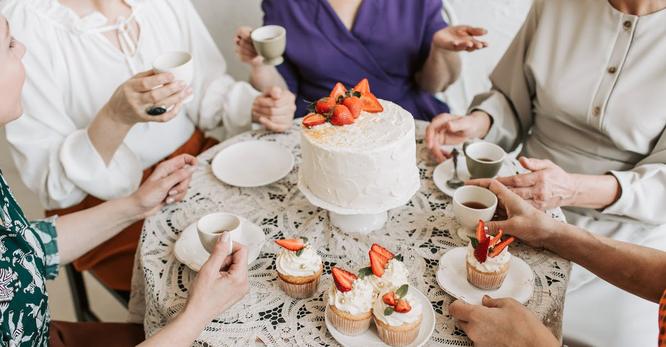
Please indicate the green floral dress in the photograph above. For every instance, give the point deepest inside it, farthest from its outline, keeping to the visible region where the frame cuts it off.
(28, 257)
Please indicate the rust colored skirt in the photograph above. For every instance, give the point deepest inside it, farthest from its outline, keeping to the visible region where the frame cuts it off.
(66, 334)
(112, 261)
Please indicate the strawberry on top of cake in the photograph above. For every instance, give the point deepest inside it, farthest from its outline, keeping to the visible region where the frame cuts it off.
(342, 106)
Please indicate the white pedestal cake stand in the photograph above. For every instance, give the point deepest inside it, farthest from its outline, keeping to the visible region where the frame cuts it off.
(353, 220)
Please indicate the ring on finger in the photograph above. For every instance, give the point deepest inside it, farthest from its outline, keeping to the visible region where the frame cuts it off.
(156, 110)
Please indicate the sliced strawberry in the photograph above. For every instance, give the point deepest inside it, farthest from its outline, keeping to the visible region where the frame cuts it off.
(291, 244)
(402, 306)
(481, 250)
(341, 116)
(338, 91)
(497, 238)
(354, 104)
(313, 119)
(389, 298)
(378, 263)
(383, 251)
(324, 105)
(502, 245)
(343, 279)
(363, 87)
(481, 231)
(371, 104)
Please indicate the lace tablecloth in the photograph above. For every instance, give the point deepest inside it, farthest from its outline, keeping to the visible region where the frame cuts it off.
(423, 230)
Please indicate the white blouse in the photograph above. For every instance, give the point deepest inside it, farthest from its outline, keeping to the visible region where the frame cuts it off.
(583, 84)
(72, 71)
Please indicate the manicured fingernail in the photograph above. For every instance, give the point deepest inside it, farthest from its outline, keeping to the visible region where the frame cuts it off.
(173, 192)
(170, 200)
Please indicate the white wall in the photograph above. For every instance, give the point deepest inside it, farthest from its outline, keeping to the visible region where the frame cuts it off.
(222, 18)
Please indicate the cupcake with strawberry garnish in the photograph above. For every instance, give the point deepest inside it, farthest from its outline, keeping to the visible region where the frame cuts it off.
(488, 259)
(398, 315)
(299, 268)
(386, 271)
(349, 303)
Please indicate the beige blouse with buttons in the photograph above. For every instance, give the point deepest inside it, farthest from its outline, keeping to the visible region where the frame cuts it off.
(584, 85)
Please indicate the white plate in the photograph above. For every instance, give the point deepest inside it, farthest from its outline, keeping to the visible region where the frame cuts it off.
(444, 171)
(252, 164)
(189, 250)
(370, 337)
(452, 277)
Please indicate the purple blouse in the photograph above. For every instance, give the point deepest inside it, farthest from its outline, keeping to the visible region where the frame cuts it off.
(389, 43)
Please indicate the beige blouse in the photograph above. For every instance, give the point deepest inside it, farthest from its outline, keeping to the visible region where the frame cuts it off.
(584, 85)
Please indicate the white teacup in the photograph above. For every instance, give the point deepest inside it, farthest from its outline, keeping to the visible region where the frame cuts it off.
(270, 42)
(211, 227)
(468, 215)
(178, 63)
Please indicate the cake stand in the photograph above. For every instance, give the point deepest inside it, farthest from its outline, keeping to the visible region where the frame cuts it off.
(358, 221)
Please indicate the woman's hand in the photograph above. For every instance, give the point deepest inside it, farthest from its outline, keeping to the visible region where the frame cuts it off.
(221, 282)
(166, 185)
(547, 186)
(275, 109)
(245, 48)
(132, 99)
(447, 129)
(525, 222)
(501, 323)
(459, 38)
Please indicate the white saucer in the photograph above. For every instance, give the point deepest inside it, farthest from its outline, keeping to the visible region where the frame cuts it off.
(452, 277)
(444, 171)
(370, 337)
(189, 250)
(252, 164)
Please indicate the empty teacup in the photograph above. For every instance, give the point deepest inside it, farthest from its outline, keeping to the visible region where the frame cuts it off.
(179, 64)
(270, 42)
(471, 204)
(211, 227)
(484, 159)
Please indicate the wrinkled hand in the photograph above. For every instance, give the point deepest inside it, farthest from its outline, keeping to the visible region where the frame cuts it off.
(245, 48)
(459, 38)
(129, 102)
(546, 187)
(525, 222)
(501, 323)
(221, 282)
(447, 129)
(275, 109)
(166, 185)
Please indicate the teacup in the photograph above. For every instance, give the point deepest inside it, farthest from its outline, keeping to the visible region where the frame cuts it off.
(270, 42)
(471, 204)
(178, 63)
(211, 227)
(484, 159)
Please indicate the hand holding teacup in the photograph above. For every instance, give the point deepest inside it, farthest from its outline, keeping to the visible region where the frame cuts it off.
(215, 226)
(261, 46)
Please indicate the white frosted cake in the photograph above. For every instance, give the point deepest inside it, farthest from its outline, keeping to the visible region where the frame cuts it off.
(368, 166)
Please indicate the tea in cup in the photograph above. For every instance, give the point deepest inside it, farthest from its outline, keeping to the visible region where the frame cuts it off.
(270, 42)
(211, 227)
(483, 159)
(471, 204)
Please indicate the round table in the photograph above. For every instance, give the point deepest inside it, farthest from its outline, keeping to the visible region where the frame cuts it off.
(422, 230)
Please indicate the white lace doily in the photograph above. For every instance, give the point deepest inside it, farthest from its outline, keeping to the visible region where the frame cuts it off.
(422, 231)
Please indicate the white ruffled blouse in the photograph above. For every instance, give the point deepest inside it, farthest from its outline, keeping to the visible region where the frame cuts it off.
(72, 71)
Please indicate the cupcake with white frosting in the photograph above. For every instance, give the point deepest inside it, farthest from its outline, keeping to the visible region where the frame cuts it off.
(488, 259)
(386, 271)
(350, 303)
(398, 315)
(299, 268)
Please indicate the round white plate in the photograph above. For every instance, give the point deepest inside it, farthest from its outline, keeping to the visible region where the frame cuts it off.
(444, 171)
(370, 337)
(252, 164)
(189, 250)
(452, 277)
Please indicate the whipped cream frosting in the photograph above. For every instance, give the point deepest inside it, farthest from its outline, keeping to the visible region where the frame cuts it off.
(397, 319)
(356, 301)
(492, 264)
(307, 264)
(394, 276)
(368, 165)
